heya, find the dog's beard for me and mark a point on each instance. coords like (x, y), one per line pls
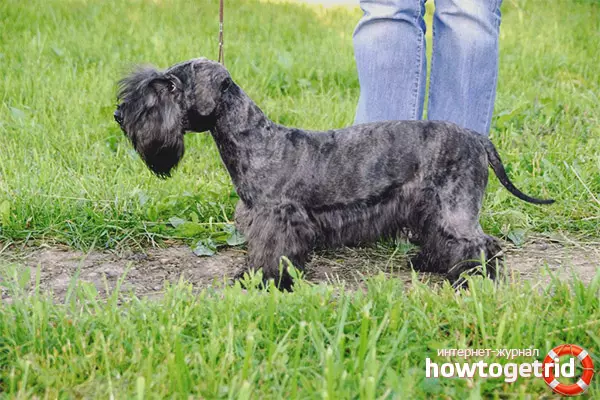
(162, 157)
(156, 131)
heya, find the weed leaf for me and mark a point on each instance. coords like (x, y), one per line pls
(236, 238)
(176, 221)
(205, 248)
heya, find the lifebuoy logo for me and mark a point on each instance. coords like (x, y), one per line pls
(551, 370)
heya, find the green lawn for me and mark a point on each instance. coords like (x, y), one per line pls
(319, 342)
(68, 175)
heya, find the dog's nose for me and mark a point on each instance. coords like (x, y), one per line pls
(118, 116)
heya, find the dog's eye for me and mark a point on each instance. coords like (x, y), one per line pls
(172, 87)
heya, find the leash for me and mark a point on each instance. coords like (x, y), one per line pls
(221, 60)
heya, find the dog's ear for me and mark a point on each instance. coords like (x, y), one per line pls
(168, 84)
(210, 79)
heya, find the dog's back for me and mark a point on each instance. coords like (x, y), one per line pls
(364, 163)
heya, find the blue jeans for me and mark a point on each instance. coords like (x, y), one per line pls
(389, 46)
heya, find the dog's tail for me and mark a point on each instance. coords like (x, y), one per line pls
(496, 164)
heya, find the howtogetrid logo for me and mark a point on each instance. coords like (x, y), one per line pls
(551, 370)
(550, 367)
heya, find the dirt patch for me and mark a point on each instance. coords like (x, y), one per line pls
(149, 269)
(541, 259)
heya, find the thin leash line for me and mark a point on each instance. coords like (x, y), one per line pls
(221, 59)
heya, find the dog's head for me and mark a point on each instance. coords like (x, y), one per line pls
(157, 107)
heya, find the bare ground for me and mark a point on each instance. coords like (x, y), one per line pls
(147, 270)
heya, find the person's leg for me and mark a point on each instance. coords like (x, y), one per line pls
(389, 47)
(464, 65)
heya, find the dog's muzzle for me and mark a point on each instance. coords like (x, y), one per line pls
(118, 116)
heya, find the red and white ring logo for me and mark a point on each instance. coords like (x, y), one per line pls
(588, 370)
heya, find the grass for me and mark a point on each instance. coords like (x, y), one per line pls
(318, 342)
(68, 175)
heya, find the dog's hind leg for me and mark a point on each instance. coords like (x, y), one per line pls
(468, 255)
(486, 247)
(454, 241)
(453, 255)
(276, 231)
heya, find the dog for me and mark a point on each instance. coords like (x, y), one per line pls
(300, 190)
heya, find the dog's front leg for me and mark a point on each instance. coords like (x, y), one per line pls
(276, 231)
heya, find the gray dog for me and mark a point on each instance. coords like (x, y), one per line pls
(302, 189)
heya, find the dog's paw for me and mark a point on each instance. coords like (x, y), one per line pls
(248, 278)
(422, 263)
(458, 273)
